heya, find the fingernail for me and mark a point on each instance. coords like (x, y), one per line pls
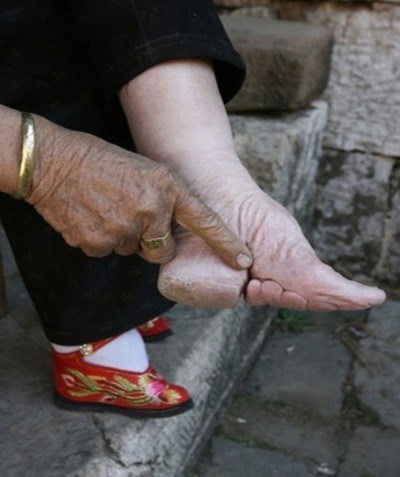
(243, 260)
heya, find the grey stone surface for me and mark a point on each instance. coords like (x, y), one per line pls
(372, 453)
(379, 384)
(281, 152)
(364, 85)
(231, 459)
(281, 73)
(314, 366)
(352, 229)
(282, 427)
(353, 443)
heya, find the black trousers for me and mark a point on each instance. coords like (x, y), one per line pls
(65, 60)
(79, 299)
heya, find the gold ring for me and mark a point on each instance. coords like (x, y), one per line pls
(158, 242)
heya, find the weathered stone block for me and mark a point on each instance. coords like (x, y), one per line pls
(281, 152)
(364, 87)
(351, 211)
(281, 72)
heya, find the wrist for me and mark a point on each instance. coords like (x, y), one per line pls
(207, 169)
(10, 149)
(196, 164)
(53, 144)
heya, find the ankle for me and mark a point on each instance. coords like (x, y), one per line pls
(126, 352)
(201, 167)
(64, 349)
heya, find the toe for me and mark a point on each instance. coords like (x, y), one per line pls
(271, 293)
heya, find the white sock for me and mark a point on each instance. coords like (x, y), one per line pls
(64, 349)
(127, 352)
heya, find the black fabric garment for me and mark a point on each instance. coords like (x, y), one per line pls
(65, 60)
(136, 34)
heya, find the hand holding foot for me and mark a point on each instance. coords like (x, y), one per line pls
(286, 271)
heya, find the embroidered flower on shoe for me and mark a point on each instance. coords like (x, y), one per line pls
(155, 388)
(68, 380)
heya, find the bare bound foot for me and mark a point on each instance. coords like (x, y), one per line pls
(197, 277)
(286, 271)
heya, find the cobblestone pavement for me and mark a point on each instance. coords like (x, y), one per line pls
(323, 399)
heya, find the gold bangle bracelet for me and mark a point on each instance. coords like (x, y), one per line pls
(28, 158)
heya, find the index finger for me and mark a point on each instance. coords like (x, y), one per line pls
(195, 216)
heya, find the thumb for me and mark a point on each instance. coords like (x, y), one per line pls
(195, 216)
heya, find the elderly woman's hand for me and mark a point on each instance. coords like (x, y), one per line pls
(102, 198)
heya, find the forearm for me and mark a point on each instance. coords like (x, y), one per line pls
(10, 149)
(176, 116)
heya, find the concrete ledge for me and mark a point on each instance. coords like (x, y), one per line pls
(208, 354)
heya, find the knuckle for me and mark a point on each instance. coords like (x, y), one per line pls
(94, 245)
(169, 181)
(164, 175)
(96, 252)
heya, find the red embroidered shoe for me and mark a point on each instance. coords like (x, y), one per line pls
(85, 386)
(155, 330)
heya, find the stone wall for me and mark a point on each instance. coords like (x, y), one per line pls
(357, 224)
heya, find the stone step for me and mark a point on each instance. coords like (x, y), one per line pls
(281, 152)
(288, 63)
(209, 352)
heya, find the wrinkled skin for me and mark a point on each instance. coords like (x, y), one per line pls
(177, 117)
(286, 271)
(102, 198)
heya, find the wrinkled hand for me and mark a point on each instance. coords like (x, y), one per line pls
(102, 198)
